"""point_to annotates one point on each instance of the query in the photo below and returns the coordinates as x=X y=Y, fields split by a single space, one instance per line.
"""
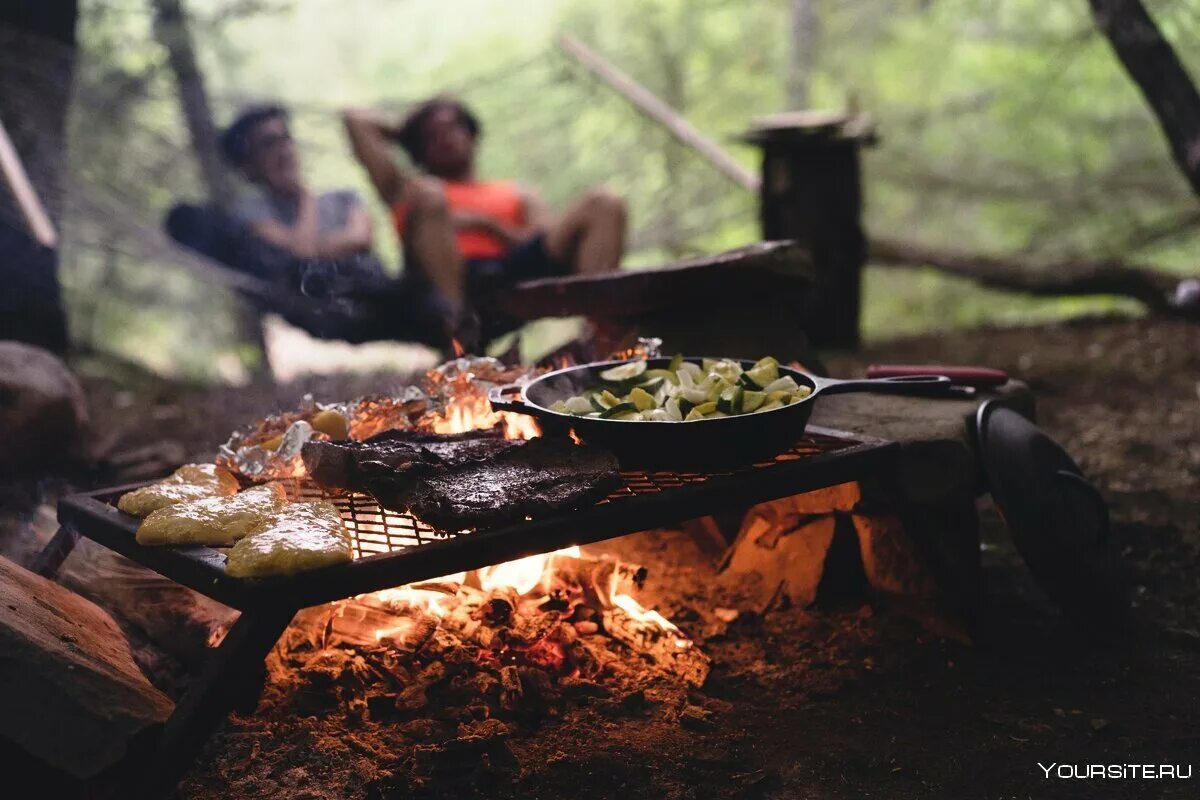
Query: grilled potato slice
x=213 y=521
x=189 y=482
x=298 y=538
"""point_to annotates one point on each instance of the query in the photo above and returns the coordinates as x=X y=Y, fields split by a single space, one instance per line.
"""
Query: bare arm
x=369 y=133
x=354 y=236
x=299 y=238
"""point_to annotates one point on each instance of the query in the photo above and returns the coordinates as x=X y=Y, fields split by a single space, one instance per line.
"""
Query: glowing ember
x=635 y=610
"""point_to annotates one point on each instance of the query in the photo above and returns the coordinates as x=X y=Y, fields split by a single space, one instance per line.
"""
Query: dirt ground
x=854 y=700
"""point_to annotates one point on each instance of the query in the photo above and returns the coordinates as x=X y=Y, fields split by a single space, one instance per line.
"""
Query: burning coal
x=557 y=612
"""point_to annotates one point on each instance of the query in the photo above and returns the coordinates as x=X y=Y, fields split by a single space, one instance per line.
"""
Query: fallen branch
x=1061 y=279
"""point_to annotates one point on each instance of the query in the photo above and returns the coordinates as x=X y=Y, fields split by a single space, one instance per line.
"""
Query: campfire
x=432 y=677
x=509 y=641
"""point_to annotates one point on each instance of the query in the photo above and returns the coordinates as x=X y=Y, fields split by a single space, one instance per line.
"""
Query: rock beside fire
x=42 y=410
x=70 y=692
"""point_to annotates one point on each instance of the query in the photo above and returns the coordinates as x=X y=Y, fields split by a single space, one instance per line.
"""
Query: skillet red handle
x=963 y=376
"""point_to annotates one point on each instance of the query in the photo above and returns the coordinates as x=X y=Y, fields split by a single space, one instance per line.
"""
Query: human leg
x=590 y=237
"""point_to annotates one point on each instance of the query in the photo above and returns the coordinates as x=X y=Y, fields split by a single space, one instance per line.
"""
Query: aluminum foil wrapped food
x=454 y=397
x=458 y=392
x=270 y=449
x=443 y=382
x=378 y=413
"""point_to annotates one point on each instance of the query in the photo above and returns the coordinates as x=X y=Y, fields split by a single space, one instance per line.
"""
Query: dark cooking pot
x=700 y=444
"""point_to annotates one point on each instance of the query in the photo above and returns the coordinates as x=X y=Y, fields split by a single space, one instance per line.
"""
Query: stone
x=70 y=692
x=936 y=435
x=43 y=415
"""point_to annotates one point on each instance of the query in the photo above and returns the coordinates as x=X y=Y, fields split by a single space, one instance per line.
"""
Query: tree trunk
x=37 y=61
x=802 y=53
x=171 y=30
x=1154 y=67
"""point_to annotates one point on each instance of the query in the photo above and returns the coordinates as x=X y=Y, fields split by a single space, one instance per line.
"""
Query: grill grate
x=375 y=530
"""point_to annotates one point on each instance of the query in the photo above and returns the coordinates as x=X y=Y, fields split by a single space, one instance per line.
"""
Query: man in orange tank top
x=466 y=236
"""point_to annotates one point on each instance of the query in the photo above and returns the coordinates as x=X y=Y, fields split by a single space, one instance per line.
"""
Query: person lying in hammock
x=468 y=236
x=298 y=241
x=282 y=210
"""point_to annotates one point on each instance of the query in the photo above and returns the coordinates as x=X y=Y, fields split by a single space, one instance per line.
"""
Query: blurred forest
x=1006 y=127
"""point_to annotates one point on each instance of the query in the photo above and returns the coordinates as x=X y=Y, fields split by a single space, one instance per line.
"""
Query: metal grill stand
x=393 y=549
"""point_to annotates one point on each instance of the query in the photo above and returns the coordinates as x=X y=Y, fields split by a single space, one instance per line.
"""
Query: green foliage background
x=1007 y=127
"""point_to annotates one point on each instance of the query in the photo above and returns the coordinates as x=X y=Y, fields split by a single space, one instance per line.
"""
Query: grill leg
x=48 y=562
x=211 y=695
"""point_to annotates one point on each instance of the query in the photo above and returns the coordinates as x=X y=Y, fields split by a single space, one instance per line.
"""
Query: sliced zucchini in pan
x=763 y=372
x=623 y=372
x=620 y=411
x=752 y=401
x=641 y=399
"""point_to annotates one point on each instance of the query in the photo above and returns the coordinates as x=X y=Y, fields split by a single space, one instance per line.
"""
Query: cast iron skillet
x=708 y=443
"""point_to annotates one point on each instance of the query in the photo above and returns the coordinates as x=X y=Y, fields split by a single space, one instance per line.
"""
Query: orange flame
x=525 y=574
x=469 y=410
x=459 y=350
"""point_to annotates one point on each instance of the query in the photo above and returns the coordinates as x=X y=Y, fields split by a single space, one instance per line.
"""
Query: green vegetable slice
x=787 y=382
x=660 y=374
x=730 y=400
x=618 y=410
x=745 y=380
x=728 y=371
x=676 y=362
x=623 y=372
x=753 y=401
x=764 y=372
x=575 y=405
x=642 y=399
x=652 y=386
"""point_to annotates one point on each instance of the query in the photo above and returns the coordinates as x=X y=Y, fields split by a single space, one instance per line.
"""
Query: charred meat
x=461 y=481
x=338 y=465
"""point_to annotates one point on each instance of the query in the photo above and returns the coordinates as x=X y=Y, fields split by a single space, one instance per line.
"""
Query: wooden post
x=811 y=192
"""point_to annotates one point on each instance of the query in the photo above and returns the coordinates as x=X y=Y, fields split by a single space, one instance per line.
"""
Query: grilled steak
x=337 y=465
x=529 y=479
